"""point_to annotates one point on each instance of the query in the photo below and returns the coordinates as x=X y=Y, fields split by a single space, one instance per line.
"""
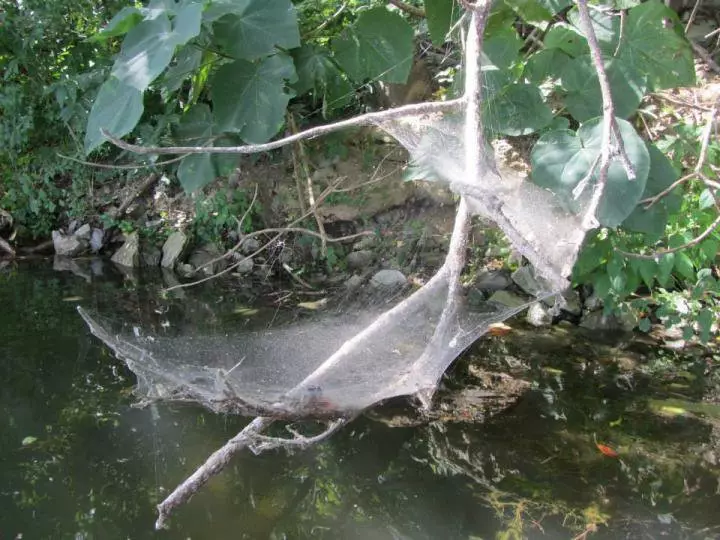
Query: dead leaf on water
x=72 y=298
x=499 y=329
x=313 y=305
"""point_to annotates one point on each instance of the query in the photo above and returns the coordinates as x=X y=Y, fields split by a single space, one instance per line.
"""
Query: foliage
x=49 y=72
x=216 y=216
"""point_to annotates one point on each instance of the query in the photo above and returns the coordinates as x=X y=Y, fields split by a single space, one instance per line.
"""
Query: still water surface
x=77 y=460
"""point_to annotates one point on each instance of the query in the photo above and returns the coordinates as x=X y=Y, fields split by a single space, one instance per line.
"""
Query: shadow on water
x=608 y=441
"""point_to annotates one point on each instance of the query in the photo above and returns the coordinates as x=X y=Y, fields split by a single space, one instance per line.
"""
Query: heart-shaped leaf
x=117 y=108
x=378 y=47
x=562 y=159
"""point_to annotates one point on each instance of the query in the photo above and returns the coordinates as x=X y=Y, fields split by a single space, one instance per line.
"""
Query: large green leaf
x=555 y=6
x=251 y=29
x=117 y=108
x=654 y=219
x=187 y=61
x=567 y=38
x=196 y=128
x=532 y=11
x=317 y=73
x=584 y=99
x=653 y=44
x=441 y=15
x=562 y=159
x=605 y=24
x=251 y=98
x=120 y=24
x=545 y=63
x=186 y=24
x=378 y=47
x=146 y=52
x=518 y=110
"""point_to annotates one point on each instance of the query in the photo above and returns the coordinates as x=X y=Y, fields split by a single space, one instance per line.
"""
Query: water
x=78 y=461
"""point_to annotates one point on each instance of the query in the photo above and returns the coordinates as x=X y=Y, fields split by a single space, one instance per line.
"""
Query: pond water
x=77 y=460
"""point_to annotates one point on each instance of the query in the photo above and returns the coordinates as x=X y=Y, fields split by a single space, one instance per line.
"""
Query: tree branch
x=408 y=8
x=610 y=127
x=358 y=121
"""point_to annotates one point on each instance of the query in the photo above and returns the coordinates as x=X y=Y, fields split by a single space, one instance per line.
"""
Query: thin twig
x=695 y=241
x=706 y=56
x=122 y=167
x=310 y=190
x=694 y=11
x=311 y=133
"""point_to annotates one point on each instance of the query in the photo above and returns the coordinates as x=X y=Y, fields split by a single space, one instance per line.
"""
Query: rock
x=66 y=264
x=202 y=257
x=173 y=249
x=97 y=266
x=572 y=302
x=129 y=254
x=365 y=243
x=539 y=315
x=353 y=283
x=508 y=299
x=491 y=281
x=598 y=321
x=593 y=302
x=83 y=232
x=96 y=240
x=249 y=245
x=388 y=279
x=185 y=270
x=68 y=245
x=150 y=255
x=246 y=265
x=358 y=260
x=525 y=278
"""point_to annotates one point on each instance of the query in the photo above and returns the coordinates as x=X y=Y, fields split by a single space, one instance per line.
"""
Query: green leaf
x=518 y=110
x=647 y=269
x=195 y=172
x=251 y=29
x=378 y=47
x=117 y=108
x=616 y=273
x=706 y=200
x=709 y=248
x=561 y=160
x=440 y=16
x=644 y=325
x=544 y=64
x=606 y=26
x=584 y=98
x=666 y=263
x=705 y=319
x=251 y=98
x=556 y=6
x=187 y=61
x=654 y=219
x=187 y=23
x=196 y=126
x=146 y=52
x=119 y=25
x=684 y=266
x=653 y=44
x=317 y=73
x=531 y=11
x=567 y=39
x=502 y=48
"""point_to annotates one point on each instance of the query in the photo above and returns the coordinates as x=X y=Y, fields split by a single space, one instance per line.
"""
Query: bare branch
x=357 y=121
x=408 y=8
x=706 y=56
x=610 y=128
x=122 y=167
x=695 y=241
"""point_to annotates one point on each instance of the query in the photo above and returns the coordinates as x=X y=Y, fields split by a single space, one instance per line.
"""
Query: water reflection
x=78 y=461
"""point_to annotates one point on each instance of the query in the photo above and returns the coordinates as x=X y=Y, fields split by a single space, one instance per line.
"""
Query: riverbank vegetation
x=221 y=74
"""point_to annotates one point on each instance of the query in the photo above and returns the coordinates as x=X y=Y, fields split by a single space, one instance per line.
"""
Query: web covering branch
x=399 y=351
